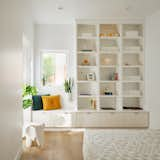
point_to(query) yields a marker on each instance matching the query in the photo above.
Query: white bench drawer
(112, 119)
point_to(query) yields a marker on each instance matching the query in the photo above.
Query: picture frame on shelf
(91, 76)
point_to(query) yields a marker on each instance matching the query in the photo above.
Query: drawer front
(38, 117)
(51, 119)
(113, 119)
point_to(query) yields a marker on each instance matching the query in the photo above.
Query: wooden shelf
(139, 38)
(80, 52)
(87, 96)
(103, 52)
(112, 38)
(109, 81)
(132, 66)
(132, 81)
(88, 38)
(132, 52)
(86, 81)
(108, 96)
(80, 66)
(129, 96)
(108, 66)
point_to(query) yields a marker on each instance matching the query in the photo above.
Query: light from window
(53, 69)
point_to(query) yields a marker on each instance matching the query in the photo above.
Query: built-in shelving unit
(109, 78)
(110, 66)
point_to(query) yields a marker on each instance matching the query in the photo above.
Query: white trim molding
(19, 153)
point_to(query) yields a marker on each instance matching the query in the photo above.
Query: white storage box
(132, 33)
(86, 34)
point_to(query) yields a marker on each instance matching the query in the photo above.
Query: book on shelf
(132, 107)
(85, 94)
(86, 50)
(107, 108)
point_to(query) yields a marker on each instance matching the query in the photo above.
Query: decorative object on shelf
(93, 103)
(68, 86)
(83, 76)
(106, 92)
(28, 92)
(116, 76)
(110, 34)
(109, 30)
(126, 64)
(132, 33)
(107, 108)
(86, 34)
(91, 76)
(132, 107)
(101, 35)
(107, 61)
(85, 62)
(85, 94)
(86, 50)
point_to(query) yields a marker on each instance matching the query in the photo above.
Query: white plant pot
(27, 115)
(69, 96)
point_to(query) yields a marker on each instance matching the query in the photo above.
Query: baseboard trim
(63, 129)
(19, 153)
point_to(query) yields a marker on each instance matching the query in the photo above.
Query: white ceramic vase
(69, 96)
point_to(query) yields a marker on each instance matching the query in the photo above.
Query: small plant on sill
(68, 86)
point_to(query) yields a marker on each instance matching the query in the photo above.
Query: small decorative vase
(69, 96)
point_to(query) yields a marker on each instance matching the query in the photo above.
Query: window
(54, 65)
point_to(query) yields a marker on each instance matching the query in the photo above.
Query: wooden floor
(66, 145)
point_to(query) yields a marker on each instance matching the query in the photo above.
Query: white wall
(55, 37)
(12, 16)
(28, 41)
(152, 68)
(28, 57)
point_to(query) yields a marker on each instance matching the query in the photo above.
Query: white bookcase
(110, 66)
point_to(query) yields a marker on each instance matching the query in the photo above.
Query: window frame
(66, 52)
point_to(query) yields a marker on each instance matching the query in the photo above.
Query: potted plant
(28, 92)
(68, 86)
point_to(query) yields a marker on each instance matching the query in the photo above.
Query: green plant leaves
(27, 103)
(68, 85)
(28, 90)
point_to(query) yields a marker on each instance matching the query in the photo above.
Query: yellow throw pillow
(51, 102)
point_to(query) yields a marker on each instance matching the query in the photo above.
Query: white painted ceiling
(46, 12)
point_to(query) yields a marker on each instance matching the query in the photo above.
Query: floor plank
(66, 145)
